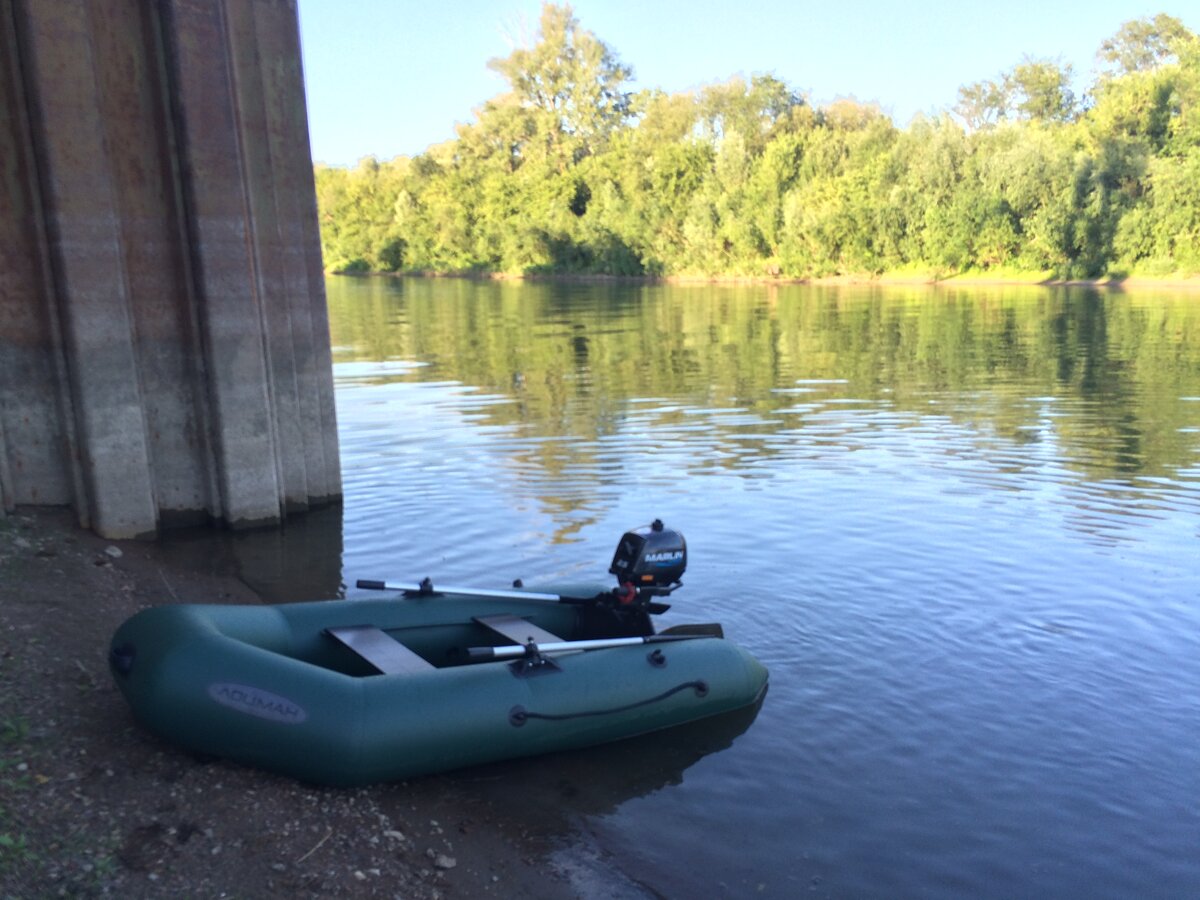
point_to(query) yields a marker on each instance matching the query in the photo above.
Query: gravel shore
(90, 805)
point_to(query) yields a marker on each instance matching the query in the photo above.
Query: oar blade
(705, 629)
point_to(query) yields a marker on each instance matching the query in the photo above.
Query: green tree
(1040, 90)
(982, 103)
(572, 84)
(569, 172)
(1036, 89)
(756, 111)
(1141, 45)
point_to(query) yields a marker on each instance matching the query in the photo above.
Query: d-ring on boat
(426, 679)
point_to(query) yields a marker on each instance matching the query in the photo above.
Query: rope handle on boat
(519, 715)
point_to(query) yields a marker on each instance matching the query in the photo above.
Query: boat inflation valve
(121, 658)
(649, 562)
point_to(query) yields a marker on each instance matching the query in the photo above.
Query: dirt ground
(90, 805)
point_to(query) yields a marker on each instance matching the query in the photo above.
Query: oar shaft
(518, 650)
(562, 646)
(368, 585)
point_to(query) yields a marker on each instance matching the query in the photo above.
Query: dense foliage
(571, 172)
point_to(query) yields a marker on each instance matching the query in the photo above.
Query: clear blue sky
(391, 77)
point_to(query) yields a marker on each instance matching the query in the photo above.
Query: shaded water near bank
(959, 526)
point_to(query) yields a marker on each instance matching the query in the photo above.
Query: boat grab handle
(519, 715)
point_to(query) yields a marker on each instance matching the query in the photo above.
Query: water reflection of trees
(1099, 374)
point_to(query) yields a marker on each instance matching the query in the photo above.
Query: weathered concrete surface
(164, 340)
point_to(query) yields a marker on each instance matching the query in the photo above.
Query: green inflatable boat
(425, 679)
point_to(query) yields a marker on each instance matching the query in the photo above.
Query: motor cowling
(652, 558)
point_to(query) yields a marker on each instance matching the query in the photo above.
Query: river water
(959, 526)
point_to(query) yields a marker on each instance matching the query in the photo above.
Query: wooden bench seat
(518, 630)
(380, 649)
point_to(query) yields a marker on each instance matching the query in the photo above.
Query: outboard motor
(649, 562)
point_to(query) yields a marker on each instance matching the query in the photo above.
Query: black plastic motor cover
(650, 556)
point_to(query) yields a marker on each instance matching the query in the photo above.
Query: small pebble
(114, 552)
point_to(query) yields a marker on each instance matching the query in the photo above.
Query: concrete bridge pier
(164, 340)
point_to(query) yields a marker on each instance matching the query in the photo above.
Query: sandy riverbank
(90, 805)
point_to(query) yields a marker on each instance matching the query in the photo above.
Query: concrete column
(83, 228)
(217, 211)
(134, 106)
(35, 457)
(276, 281)
(277, 27)
(164, 342)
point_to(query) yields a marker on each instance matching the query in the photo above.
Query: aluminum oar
(516, 651)
(428, 588)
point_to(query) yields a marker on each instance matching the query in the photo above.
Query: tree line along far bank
(568, 172)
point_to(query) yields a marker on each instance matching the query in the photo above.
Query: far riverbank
(929, 279)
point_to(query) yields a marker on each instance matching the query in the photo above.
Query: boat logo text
(257, 702)
(666, 556)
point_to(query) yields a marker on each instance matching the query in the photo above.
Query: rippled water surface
(959, 526)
